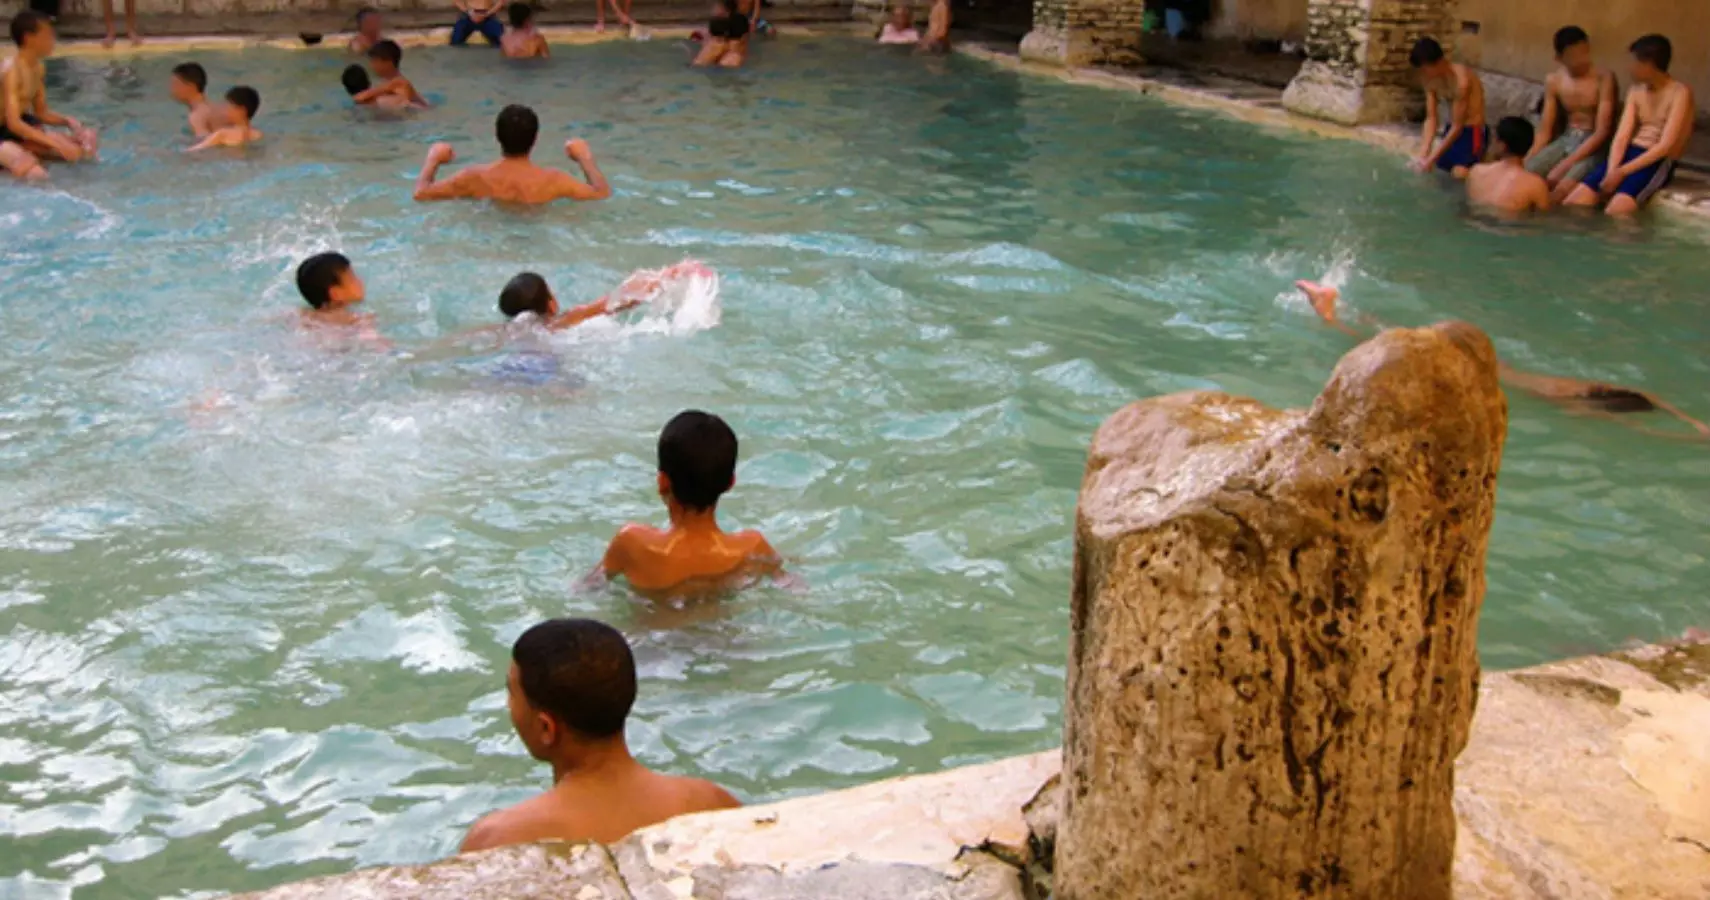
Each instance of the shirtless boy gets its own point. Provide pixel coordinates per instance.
(697, 465)
(24, 138)
(528, 294)
(384, 58)
(900, 29)
(189, 86)
(1504, 184)
(367, 31)
(523, 40)
(1461, 142)
(241, 105)
(1590, 397)
(937, 38)
(513, 178)
(569, 689)
(1655, 128)
(332, 289)
(1585, 96)
(478, 15)
(726, 44)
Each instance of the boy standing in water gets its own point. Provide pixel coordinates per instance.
(523, 41)
(697, 465)
(367, 30)
(569, 691)
(1586, 96)
(513, 178)
(189, 86)
(1504, 184)
(385, 58)
(1655, 128)
(241, 105)
(1462, 142)
(24, 138)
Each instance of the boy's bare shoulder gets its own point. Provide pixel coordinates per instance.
(511, 825)
(754, 543)
(701, 795)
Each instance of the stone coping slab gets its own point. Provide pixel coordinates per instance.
(1588, 778)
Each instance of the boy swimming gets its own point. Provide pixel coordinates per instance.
(385, 58)
(1504, 184)
(357, 83)
(24, 136)
(523, 40)
(514, 178)
(241, 105)
(1655, 129)
(697, 465)
(189, 86)
(569, 690)
(331, 287)
(1463, 139)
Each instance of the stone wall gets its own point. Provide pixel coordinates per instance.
(1085, 32)
(1357, 69)
(1283, 20)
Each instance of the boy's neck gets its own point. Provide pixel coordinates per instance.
(593, 761)
(29, 55)
(685, 519)
(1659, 82)
(198, 100)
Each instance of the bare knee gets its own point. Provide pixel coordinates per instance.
(1581, 196)
(1622, 205)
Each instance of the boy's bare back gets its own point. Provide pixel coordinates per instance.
(593, 807)
(652, 559)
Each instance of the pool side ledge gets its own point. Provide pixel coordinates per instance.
(1583, 778)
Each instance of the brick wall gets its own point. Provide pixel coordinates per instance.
(1357, 69)
(1085, 32)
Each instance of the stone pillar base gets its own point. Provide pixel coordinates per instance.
(1322, 93)
(1081, 47)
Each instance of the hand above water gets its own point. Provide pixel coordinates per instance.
(578, 150)
(441, 153)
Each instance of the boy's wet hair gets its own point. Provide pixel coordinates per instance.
(697, 452)
(1654, 49)
(1426, 52)
(25, 24)
(1516, 134)
(526, 293)
(517, 128)
(1571, 36)
(579, 671)
(520, 14)
(246, 97)
(192, 74)
(318, 275)
(356, 79)
(387, 50)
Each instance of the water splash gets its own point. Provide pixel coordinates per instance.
(676, 300)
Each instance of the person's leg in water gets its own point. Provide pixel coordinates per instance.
(130, 23)
(20, 162)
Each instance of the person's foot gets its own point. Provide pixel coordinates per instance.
(600, 27)
(111, 39)
(136, 39)
(1323, 298)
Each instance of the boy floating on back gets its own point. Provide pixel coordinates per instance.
(697, 465)
(523, 40)
(241, 105)
(1462, 140)
(1655, 129)
(189, 86)
(24, 136)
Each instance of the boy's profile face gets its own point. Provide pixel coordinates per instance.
(349, 291)
(182, 91)
(235, 113)
(1577, 58)
(41, 42)
(1644, 71)
(383, 67)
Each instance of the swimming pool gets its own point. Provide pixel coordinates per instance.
(256, 597)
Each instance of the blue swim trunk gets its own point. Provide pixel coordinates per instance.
(529, 368)
(1467, 150)
(1641, 185)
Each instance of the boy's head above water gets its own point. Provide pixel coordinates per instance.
(902, 16)
(327, 281)
(33, 32)
(242, 103)
(368, 21)
(189, 82)
(1515, 135)
(385, 57)
(522, 15)
(697, 461)
(516, 128)
(356, 79)
(572, 682)
(527, 293)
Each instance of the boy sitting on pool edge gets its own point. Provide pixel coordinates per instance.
(697, 465)
(241, 105)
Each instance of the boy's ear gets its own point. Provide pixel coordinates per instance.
(664, 485)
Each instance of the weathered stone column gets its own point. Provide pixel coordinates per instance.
(1273, 657)
(1356, 69)
(1085, 32)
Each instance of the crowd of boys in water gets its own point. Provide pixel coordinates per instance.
(571, 682)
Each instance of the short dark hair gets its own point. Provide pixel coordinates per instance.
(1426, 52)
(25, 24)
(517, 127)
(317, 276)
(356, 79)
(1654, 49)
(364, 13)
(580, 671)
(526, 293)
(192, 74)
(387, 50)
(520, 14)
(246, 97)
(1516, 134)
(1571, 36)
(697, 451)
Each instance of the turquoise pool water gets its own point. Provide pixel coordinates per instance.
(256, 596)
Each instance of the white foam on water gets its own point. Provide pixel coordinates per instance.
(1342, 266)
(676, 300)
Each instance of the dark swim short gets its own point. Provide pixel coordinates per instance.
(1618, 399)
(733, 27)
(1468, 149)
(1641, 185)
(6, 133)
